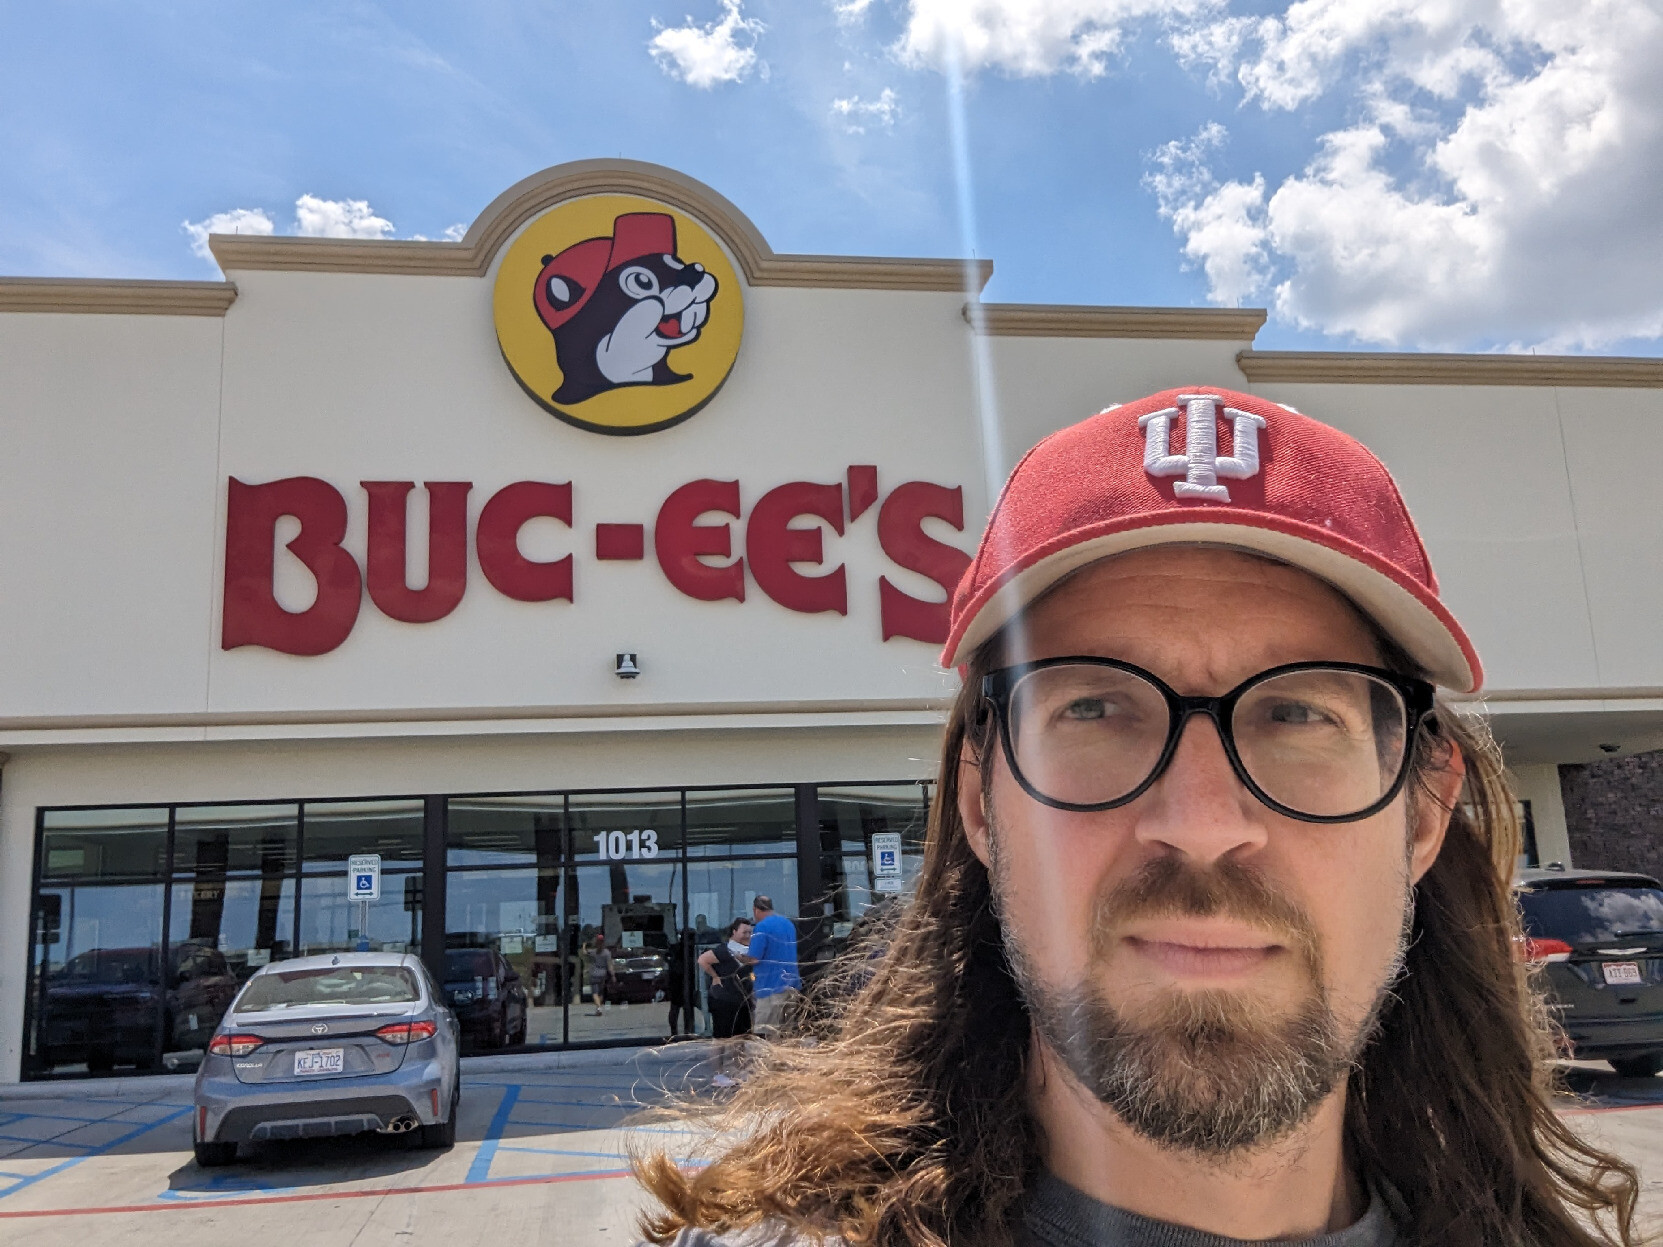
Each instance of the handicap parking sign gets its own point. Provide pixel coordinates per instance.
(886, 855)
(363, 877)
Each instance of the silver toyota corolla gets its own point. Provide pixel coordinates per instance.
(329, 1045)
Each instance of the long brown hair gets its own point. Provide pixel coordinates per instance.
(900, 1118)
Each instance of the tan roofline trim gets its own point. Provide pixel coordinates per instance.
(472, 256)
(1362, 368)
(1059, 320)
(95, 296)
(470, 714)
(1615, 693)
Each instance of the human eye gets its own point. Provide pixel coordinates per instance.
(1086, 708)
(1292, 713)
(1308, 704)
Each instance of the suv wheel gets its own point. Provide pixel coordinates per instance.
(1638, 1066)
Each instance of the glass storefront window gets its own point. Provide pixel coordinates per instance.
(330, 922)
(505, 831)
(730, 822)
(96, 977)
(508, 974)
(221, 838)
(859, 827)
(335, 830)
(84, 845)
(148, 920)
(718, 892)
(624, 827)
(632, 911)
(96, 974)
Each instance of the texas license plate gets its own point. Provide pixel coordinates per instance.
(320, 1061)
(1621, 972)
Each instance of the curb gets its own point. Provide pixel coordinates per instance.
(156, 1086)
(586, 1058)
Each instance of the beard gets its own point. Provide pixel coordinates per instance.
(1209, 1072)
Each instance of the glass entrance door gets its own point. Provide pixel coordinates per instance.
(507, 971)
(625, 916)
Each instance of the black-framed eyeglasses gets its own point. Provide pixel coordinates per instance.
(1324, 742)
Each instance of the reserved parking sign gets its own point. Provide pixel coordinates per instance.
(363, 877)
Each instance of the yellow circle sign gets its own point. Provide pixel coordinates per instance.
(618, 314)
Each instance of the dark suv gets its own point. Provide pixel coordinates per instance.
(1598, 935)
(487, 997)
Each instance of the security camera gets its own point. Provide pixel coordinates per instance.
(627, 668)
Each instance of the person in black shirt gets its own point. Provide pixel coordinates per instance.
(729, 992)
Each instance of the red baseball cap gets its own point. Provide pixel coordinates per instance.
(1157, 472)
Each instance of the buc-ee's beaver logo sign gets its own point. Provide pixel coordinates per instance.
(618, 314)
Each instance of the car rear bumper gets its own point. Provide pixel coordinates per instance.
(1608, 1037)
(239, 1112)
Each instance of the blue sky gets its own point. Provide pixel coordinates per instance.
(1474, 179)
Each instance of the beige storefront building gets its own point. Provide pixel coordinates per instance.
(318, 561)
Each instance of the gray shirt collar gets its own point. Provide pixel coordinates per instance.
(1057, 1215)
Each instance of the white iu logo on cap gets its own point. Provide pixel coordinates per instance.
(1200, 464)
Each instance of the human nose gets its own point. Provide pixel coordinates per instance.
(1199, 807)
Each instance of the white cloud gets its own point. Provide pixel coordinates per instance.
(702, 56)
(338, 218)
(856, 112)
(850, 11)
(1222, 226)
(236, 221)
(1030, 37)
(1499, 183)
(455, 233)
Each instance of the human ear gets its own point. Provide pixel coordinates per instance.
(1434, 796)
(972, 811)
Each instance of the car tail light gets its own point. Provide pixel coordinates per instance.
(234, 1045)
(407, 1032)
(1546, 950)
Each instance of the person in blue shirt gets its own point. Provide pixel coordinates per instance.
(773, 952)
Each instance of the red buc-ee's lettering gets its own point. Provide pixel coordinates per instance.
(902, 536)
(252, 614)
(682, 545)
(777, 547)
(497, 540)
(773, 545)
(447, 549)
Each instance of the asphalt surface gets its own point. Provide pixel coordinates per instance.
(542, 1157)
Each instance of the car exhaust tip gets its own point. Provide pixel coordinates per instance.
(400, 1125)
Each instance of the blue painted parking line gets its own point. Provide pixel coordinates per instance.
(44, 1139)
(480, 1169)
(58, 1117)
(219, 1185)
(100, 1150)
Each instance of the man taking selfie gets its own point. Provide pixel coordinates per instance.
(1214, 939)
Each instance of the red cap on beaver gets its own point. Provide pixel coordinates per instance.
(583, 264)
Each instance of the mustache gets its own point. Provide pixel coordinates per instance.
(1171, 887)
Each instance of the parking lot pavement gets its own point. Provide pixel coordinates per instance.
(541, 1158)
